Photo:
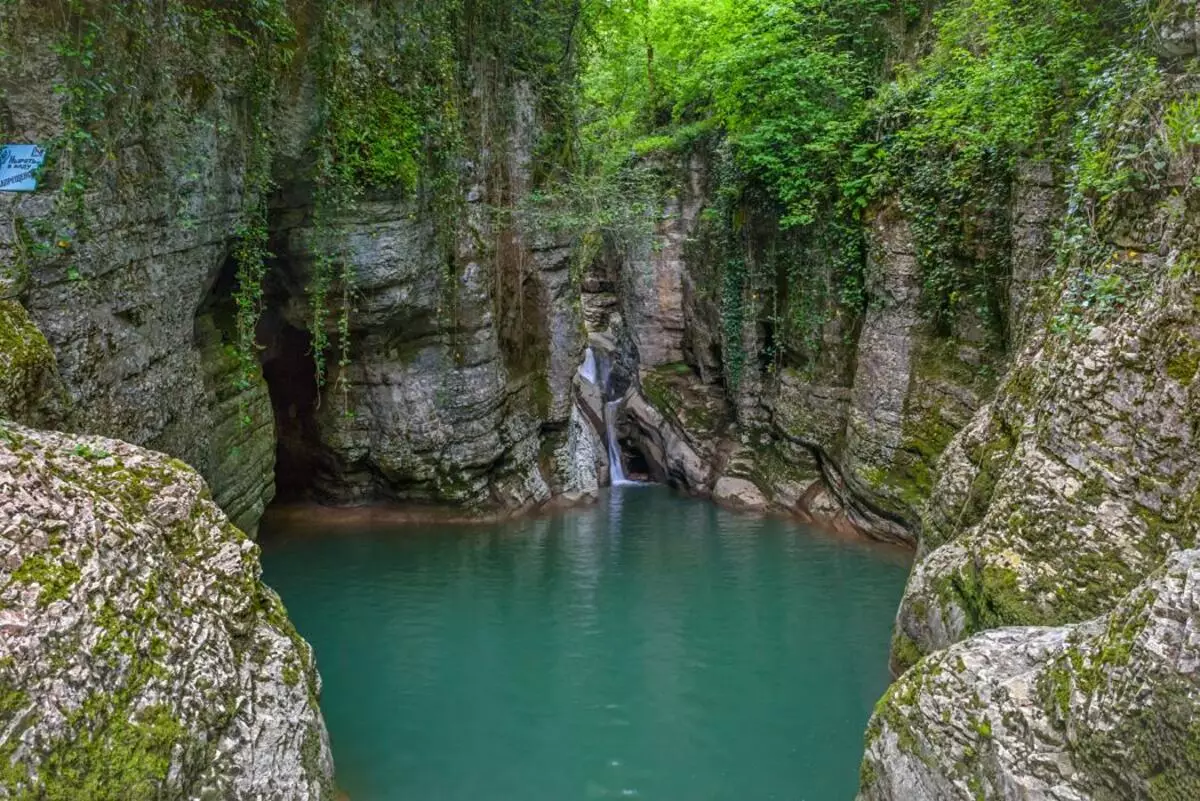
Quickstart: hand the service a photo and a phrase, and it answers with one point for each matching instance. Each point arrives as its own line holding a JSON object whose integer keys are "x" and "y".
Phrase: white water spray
{"x": 588, "y": 369}
{"x": 616, "y": 469}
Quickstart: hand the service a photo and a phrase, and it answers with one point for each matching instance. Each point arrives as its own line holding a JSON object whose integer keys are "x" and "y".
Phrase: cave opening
{"x": 637, "y": 466}
{"x": 289, "y": 371}
{"x": 282, "y": 406}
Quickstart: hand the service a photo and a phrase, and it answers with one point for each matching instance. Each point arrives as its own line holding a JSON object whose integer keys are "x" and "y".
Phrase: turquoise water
{"x": 650, "y": 647}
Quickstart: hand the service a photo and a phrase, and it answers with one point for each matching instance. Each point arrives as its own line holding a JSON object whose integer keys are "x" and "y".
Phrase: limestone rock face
{"x": 141, "y": 654}
{"x": 652, "y": 288}
{"x": 1099, "y": 710}
{"x": 852, "y": 437}
{"x": 465, "y": 332}
{"x": 1083, "y": 474}
{"x": 429, "y": 409}
{"x": 886, "y": 344}
{"x": 118, "y": 288}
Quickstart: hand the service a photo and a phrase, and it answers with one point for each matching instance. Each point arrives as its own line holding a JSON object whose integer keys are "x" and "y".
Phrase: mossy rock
{"x": 31, "y": 391}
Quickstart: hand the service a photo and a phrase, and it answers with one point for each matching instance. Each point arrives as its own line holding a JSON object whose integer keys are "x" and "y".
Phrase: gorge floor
{"x": 650, "y": 646}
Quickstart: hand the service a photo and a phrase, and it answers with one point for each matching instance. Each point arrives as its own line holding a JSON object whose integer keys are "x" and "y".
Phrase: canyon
{"x": 452, "y": 341}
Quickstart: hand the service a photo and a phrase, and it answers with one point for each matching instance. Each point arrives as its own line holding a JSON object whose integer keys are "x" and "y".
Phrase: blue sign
{"x": 18, "y": 167}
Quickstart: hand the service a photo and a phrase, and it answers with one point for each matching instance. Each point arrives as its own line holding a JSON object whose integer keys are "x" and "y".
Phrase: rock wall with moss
{"x": 989, "y": 352}
{"x": 291, "y": 229}
{"x": 1080, "y": 478}
{"x": 1065, "y": 492}
{"x": 844, "y": 425}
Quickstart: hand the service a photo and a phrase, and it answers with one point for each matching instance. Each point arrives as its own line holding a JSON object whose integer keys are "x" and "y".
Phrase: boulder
{"x": 141, "y": 655}
{"x": 1105, "y": 709}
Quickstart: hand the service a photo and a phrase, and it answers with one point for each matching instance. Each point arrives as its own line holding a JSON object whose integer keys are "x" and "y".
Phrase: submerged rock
{"x": 142, "y": 656}
{"x": 1100, "y": 710}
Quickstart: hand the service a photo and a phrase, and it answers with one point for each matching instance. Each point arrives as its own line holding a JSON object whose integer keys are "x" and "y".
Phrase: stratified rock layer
{"x": 141, "y": 656}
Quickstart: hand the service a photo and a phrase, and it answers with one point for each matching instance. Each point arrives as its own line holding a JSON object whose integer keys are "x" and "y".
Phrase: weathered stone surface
{"x": 876, "y": 409}
{"x": 427, "y": 410}
{"x": 579, "y": 460}
{"x": 879, "y": 400}
{"x": 652, "y": 274}
{"x": 1034, "y": 210}
{"x": 669, "y": 448}
{"x": 739, "y": 494}
{"x": 1101, "y": 710}
{"x": 1079, "y": 478}
{"x": 464, "y": 341}
{"x": 31, "y": 391}
{"x": 195, "y": 685}
{"x": 116, "y": 287}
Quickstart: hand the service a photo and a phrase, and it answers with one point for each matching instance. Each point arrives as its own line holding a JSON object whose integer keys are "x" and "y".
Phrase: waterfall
{"x": 588, "y": 369}
{"x": 615, "y": 468}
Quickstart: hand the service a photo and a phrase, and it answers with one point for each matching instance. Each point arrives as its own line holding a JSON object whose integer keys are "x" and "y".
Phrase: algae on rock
{"x": 30, "y": 388}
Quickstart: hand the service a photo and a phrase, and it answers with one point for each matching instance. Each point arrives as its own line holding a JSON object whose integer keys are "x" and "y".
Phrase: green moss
{"x": 669, "y": 390}
{"x": 867, "y": 776}
{"x": 1152, "y": 728}
{"x": 87, "y": 451}
{"x": 989, "y": 594}
{"x": 118, "y": 753}
{"x": 1183, "y": 365}
{"x": 56, "y": 578}
{"x": 310, "y": 759}
{"x": 27, "y": 365}
{"x": 905, "y": 651}
{"x": 1093, "y": 491}
{"x": 378, "y": 136}
{"x": 662, "y": 396}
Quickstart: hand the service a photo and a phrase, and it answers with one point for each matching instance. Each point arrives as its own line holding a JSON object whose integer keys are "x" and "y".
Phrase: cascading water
{"x": 587, "y": 371}
{"x": 616, "y": 469}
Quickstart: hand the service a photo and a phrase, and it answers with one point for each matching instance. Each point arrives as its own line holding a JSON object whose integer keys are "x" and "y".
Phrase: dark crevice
{"x": 637, "y": 466}
{"x": 290, "y": 371}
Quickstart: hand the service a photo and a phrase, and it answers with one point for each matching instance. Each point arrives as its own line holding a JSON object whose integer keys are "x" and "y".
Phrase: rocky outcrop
{"x": 652, "y": 274}
{"x": 195, "y": 684}
{"x": 428, "y": 409}
{"x": 851, "y": 435}
{"x": 1035, "y": 209}
{"x": 1083, "y": 474}
{"x": 116, "y": 268}
{"x": 885, "y": 365}
{"x": 1076, "y": 482}
{"x": 678, "y": 424}
{"x": 1102, "y": 709}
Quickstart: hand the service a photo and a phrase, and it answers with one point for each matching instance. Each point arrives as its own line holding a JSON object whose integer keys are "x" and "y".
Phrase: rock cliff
{"x": 1068, "y": 501}
{"x": 464, "y": 338}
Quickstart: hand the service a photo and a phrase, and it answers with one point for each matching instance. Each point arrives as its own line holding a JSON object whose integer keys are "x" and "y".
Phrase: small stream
{"x": 650, "y": 647}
